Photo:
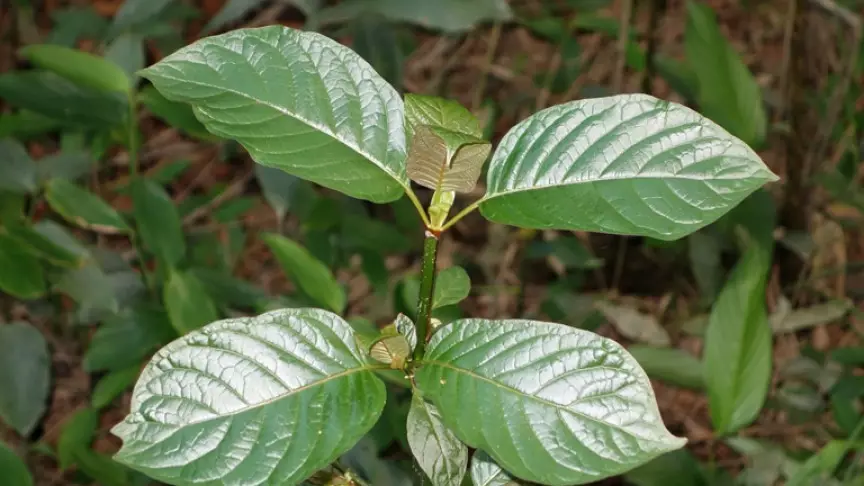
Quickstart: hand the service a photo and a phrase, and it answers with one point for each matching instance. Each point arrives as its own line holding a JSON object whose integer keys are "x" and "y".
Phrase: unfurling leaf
{"x": 434, "y": 111}
{"x": 391, "y": 350}
{"x": 438, "y": 451}
{"x": 405, "y": 327}
{"x": 444, "y": 160}
{"x": 262, "y": 400}
{"x": 550, "y": 403}
{"x": 335, "y": 121}
{"x": 657, "y": 169}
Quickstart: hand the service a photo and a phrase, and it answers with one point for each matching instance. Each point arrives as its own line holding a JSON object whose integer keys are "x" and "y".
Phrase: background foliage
{"x": 124, "y": 223}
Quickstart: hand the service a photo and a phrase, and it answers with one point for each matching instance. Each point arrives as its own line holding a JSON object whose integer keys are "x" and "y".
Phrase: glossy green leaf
{"x": 309, "y": 273}
{"x": 452, "y": 285}
{"x": 447, "y": 15}
{"x": 126, "y": 338}
{"x": 42, "y": 247}
{"x": 486, "y": 472}
{"x": 655, "y": 168}
{"x": 13, "y": 470}
{"x": 188, "y": 304}
{"x": 25, "y": 375}
{"x": 176, "y": 114}
{"x": 346, "y": 131}
{"x": 737, "y": 352}
{"x": 405, "y": 326}
{"x": 18, "y": 171}
{"x": 83, "y": 208}
{"x": 728, "y": 92}
{"x": 78, "y": 66}
{"x": 551, "y": 404}
{"x": 262, "y": 400}
{"x": 437, "y": 450}
{"x": 671, "y": 365}
{"x": 77, "y": 434}
{"x": 112, "y": 385}
{"x": 157, "y": 221}
{"x": 445, "y": 160}
{"x": 58, "y": 98}
{"x": 21, "y": 273}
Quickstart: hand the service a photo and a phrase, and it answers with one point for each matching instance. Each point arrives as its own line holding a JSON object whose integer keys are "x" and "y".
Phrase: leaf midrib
{"x": 378, "y": 163}
{"x": 341, "y": 374}
{"x": 528, "y": 396}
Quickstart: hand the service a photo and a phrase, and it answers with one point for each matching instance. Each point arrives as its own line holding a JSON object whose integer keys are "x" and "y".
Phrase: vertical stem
{"x": 427, "y": 291}
{"x": 133, "y": 135}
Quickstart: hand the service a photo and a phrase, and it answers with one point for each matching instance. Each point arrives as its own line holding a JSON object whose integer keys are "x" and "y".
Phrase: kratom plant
{"x": 274, "y": 398}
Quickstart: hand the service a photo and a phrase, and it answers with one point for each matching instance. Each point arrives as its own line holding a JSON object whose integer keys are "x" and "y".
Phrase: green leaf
{"x": 83, "y": 208}
{"x": 25, "y": 375}
{"x": 125, "y": 339}
{"x": 439, "y": 112}
{"x": 13, "y": 469}
{"x": 112, "y": 385}
{"x": 25, "y": 125}
{"x": 268, "y": 399}
{"x": 135, "y": 13}
{"x": 188, "y": 304}
{"x": 452, "y": 285}
{"x": 737, "y": 352}
{"x": 405, "y": 327}
{"x": 21, "y": 273}
{"x": 376, "y": 41}
{"x": 104, "y": 470}
{"x": 18, "y": 171}
{"x": 633, "y": 324}
{"x": 819, "y": 468}
{"x": 676, "y": 468}
{"x": 345, "y": 133}
{"x": 704, "y": 251}
{"x": 175, "y": 114}
{"x": 451, "y": 16}
{"x": 309, "y": 273}
{"x": 551, "y": 404}
{"x": 77, "y": 66}
{"x": 228, "y": 291}
{"x": 69, "y": 165}
{"x": 280, "y": 189}
{"x": 77, "y": 434}
{"x": 728, "y": 93}
{"x": 671, "y": 365}
{"x": 486, "y": 472}
{"x": 127, "y": 53}
{"x": 157, "y": 221}
{"x": 439, "y": 453}
{"x": 55, "y": 97}
{"x": 627, "y": 164}
{"x": 40, "y": 246}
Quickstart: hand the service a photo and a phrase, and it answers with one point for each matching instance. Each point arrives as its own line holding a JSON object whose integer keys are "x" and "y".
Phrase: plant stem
{"x": 417, "y": 205}
{"x": 427, "y": 291}
{"x": 132, "y": 127}
{"x": 460, "y": 215}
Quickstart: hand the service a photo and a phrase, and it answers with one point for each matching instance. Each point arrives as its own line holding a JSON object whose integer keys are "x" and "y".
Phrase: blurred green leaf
{"x": 78, "y": 66}
{"x": 134, "y": 13}
{"x": 175, "y": 114}
{"x": 704, "y": 252}
{"x": 231, "y": 11}
{"x": 42, "y": 247}
{"x": 21, "y": 273}
{"x": 851, "y": 356}
{"x": 25, "y": 124}
{"x": 375, "y": 268}
{"x": 188, "y": 304}
{"x": 820, "y": 467}
{"x": 83, "y": 208}
{"x": 127, "y": 53}
{"x": 728, "y": 92}
{"x": 157, "y": 221}
{"x": 633, "y": 324}
{"x": 112, "y": 385}
{"x": 102, "y": 468}
{"x": 229, "y": 291}
{"x": 366, "y": 234}
{"x": 571, "y": 252}
{"x": 450, "y": 16}
{"x": 18, "y": 171}
{"x": 309, "y": 273}
{"x": 13, "y": 469}
{"x": 77, "y": 433}
{"x": 452, "y": 285}
{"x": 809, "y": 317}
{"x": 25, "y": 376}
{"x": 738, "y": 345}
{"x": 58, "y": 98}
{"x": 125, "y": 339}
{"x": 676, "y": 468}
{"x": 376, "y": 41}
{"x": 76, "y": 22}
{"x": 280, "y": 189}
{"x": 671, "y": 365}
{"x": 69, "y": 165}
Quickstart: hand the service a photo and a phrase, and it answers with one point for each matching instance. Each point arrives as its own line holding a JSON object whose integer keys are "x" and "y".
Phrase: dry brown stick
{"x": 235, "y": 189}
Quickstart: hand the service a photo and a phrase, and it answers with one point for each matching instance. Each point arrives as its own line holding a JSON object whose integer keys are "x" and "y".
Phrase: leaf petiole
{"x": 460, "y": 215}
{"x": 418, "y": 206}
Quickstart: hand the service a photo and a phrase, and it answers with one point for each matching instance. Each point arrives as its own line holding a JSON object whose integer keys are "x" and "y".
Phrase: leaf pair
{"x": 279, "y": 396}
{"x": 628, "y": 164}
